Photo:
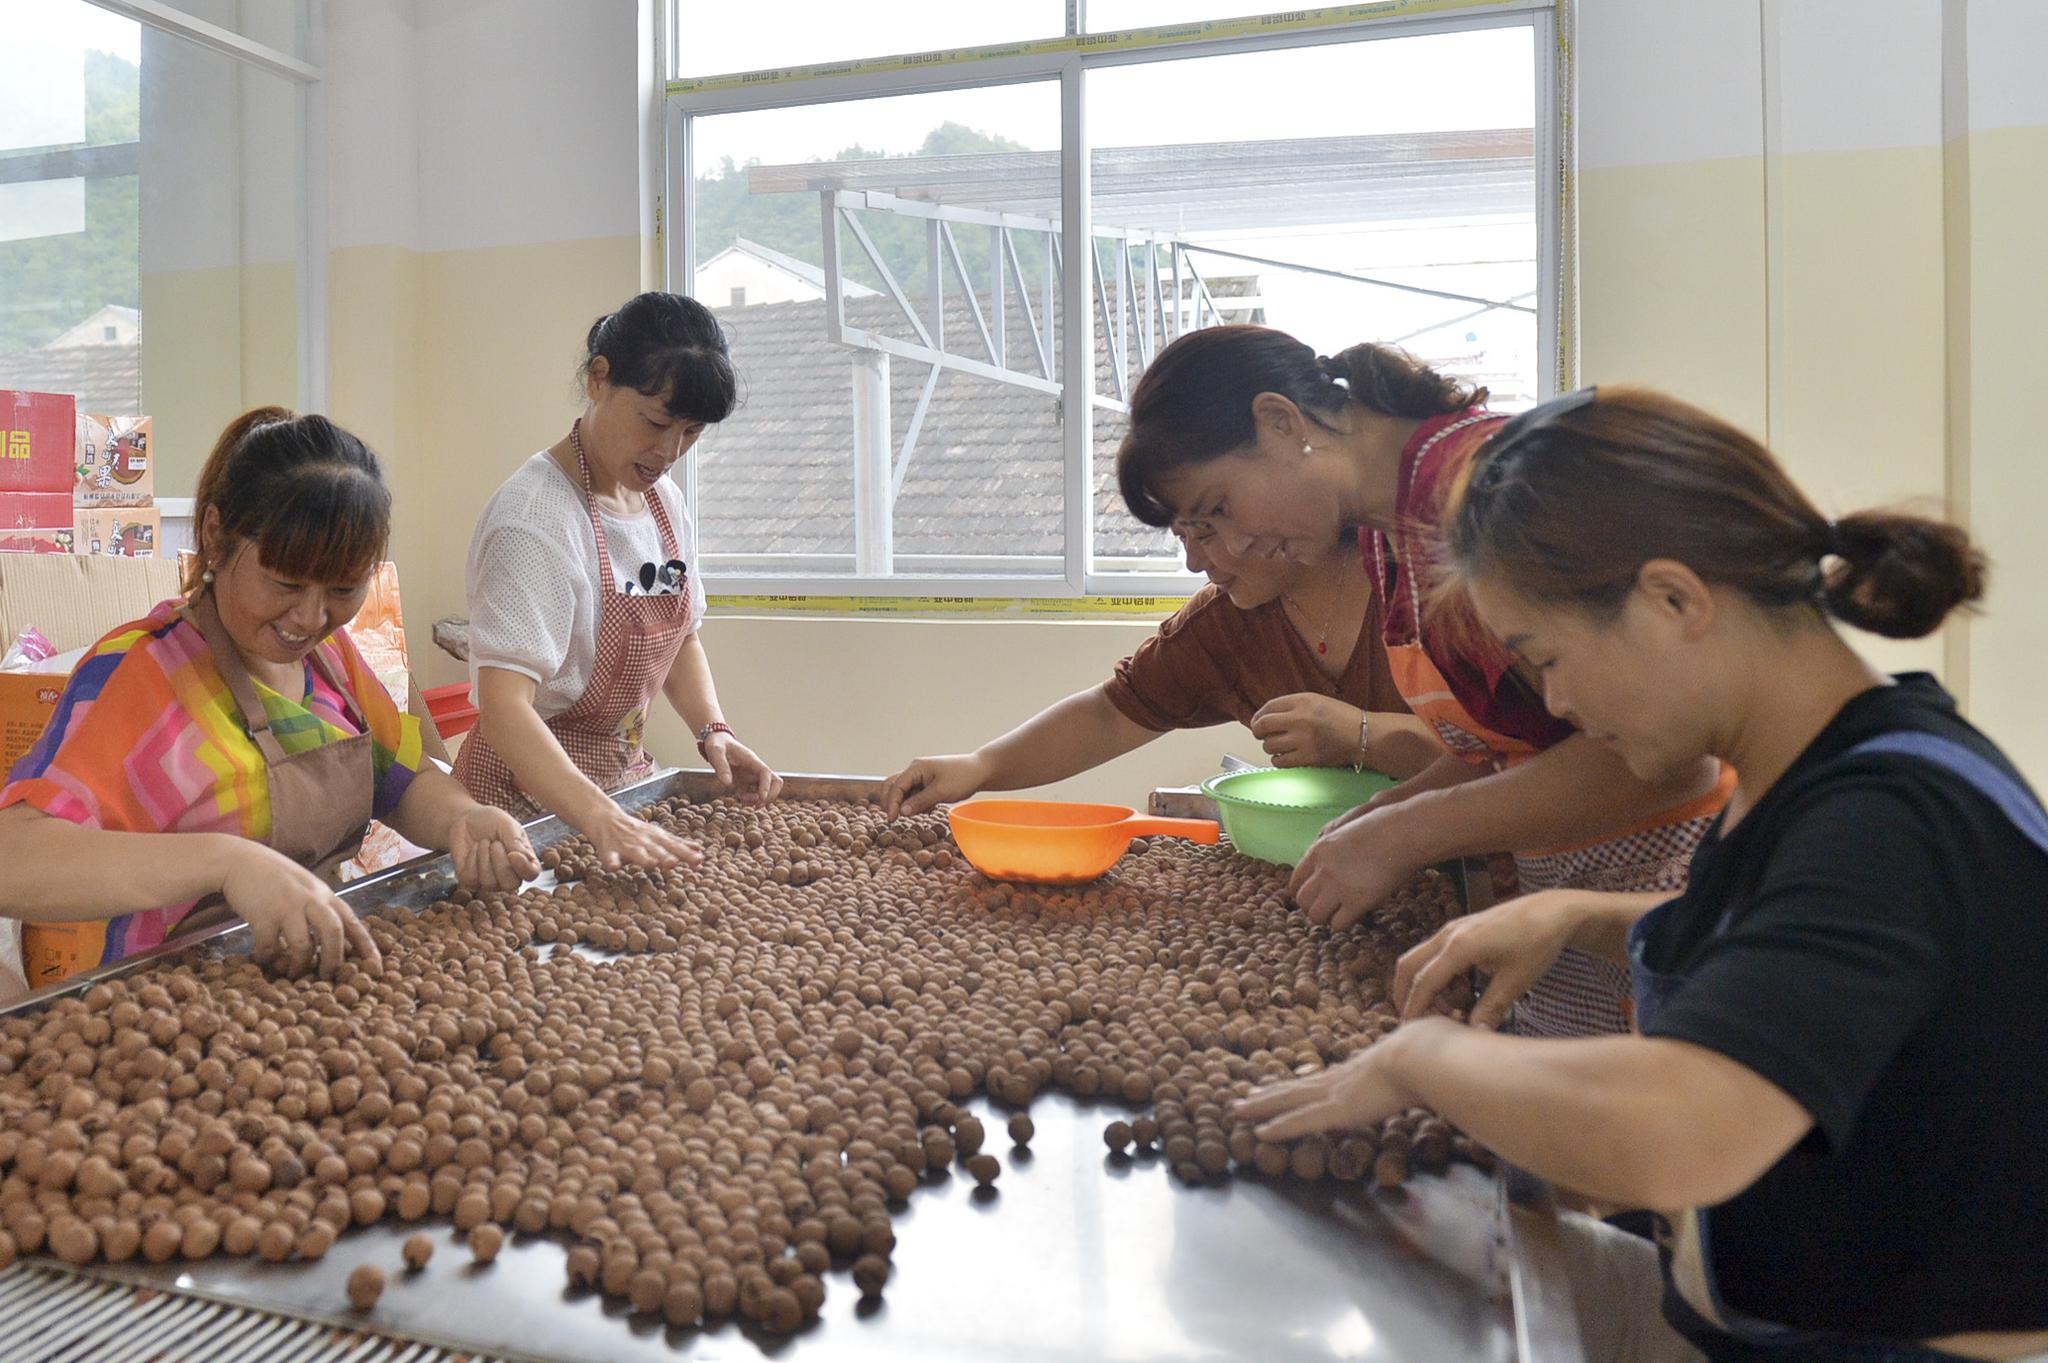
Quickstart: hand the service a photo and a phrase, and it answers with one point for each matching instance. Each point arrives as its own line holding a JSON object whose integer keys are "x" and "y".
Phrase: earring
{"x": 1306, "y": 448}
{"x": 206, "y": 576}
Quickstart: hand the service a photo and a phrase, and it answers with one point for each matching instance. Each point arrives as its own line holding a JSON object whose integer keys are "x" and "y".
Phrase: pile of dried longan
{"x": 728, "y": 1106}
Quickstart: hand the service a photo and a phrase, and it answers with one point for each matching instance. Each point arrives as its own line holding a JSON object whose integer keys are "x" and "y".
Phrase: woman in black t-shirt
{"x": 1839, "y": 1081}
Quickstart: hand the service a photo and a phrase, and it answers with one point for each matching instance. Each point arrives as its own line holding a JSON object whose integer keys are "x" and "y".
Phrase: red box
{"x": 38, "y": 442}
{"x": 36, "y": 523}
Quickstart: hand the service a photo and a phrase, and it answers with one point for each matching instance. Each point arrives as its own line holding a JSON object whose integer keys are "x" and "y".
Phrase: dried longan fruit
{"x": 985, "y": 1168}
{"x": 365, "y": 1285}
{"x": 162, "y": 1241}
{"x": 967, "y": 1135}
{"x": 485, "y": 1242}
{"x": 1021, "y": 1129}
{"x": 418, "y": 1249}
{"x": 1117, "y": 1135}
{"x": 870, "y": 1274}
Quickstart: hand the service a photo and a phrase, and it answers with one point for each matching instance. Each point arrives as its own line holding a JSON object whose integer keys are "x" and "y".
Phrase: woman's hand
{"x": 296, "y": 916}
{"x": 1356, "y": 865}
{"x": 1514, "y": 943}
{"x": 1352, "y": 1096}
{"x": 490, "y": 850}
{"x": 1308, "y": 730}
{"x": 735, "y": 764}
{"x": 622, "y": 839}
{"x": 929, "y": 782}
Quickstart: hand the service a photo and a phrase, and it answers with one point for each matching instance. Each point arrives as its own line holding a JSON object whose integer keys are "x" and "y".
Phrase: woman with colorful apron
{"x": 225, "y": 754}
{"x": 1244, "y": 431}
{"x": 583, "y": 605}
{"x": 1837, "y": 1090}
{"x": 1292, "y": 652}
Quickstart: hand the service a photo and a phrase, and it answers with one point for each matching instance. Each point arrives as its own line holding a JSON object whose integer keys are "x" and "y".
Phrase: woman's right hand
{"x": 932, "y": 781}
{"x": 1512, "y": 943}
{"x": 622, "y": 839}
{"x": 295, "y": 915}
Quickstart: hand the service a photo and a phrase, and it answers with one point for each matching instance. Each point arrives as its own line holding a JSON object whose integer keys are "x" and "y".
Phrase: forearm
{"x": 1604, "y": 920}
{"x": 516, "y": 731}
{"x": 689, "y": 687}
{"x": 427, "y": 812}
{"x": 1576, "y": 792}
{"x": 1635, "y": 1121}
{"x": 1078, "y": 733}
{"x": 1402, "y": 746}
{"x": 58, "y": 872}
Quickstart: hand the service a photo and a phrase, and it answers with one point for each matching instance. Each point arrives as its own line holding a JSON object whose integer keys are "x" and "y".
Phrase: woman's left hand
{"x": 1308, "y": 730}
{"x": 1351, "y": 1096}
{"x": 734, "y": 763}
{"x": 490, "y": 850}
{"x": 1353, "y": 867}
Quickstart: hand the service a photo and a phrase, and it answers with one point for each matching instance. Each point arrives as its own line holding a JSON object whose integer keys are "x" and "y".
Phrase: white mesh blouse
{"x": 532, "y": 577}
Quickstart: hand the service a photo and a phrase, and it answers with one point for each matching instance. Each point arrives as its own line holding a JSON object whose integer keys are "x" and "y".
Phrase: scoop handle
{"x": 1194, "y": 830}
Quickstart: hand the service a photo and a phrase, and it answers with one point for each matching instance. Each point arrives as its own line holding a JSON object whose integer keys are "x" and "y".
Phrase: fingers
{"x": 1327, "y": 1115}
{"x": 771, "y": 784}
{"x": 1346, "y": 915}
{"x": 1264, "y": 724}
{"x": 525, "y": 861}
{"x": 1429, "y": 978}
{"x": 1274, "y": 1099}
{"x": 900, "y": 786}
{"x": 721, "y": 765}
{"x": 324, "y": 920}
{"x": 298, "y": 942}
{"x": 265, "y": 933}
{"x": 358, "y": 934}
{"x": 1411, "y": 964}
{"x": 1498, "y": 1001}
{"x": 498, "y": 873}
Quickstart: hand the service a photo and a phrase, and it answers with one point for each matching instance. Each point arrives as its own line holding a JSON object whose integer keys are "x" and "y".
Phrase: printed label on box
{"x": 38, "y": 441}
{"x": 120, "y": 531}
{"x": 113, "y": 461}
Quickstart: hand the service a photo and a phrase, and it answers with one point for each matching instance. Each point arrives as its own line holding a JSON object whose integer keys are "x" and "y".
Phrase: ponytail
{"x": 1569, "y": 502}
{"x": 1900, "y": 575}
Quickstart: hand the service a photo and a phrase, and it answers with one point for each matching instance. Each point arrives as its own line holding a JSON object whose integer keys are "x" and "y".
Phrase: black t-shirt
{"x": 1885, "y": 964}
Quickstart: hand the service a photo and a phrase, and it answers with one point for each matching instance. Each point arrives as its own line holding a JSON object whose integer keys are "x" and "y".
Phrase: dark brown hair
{"x": 667, "y": 343}
{"x": 308, "y": 495}
{"x": 1194, "y": 403}
{"x": 1572, "y": 508}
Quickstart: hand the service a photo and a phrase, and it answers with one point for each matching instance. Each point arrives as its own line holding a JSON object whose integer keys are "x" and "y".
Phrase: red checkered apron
{"x": 638, "y": 638}
{"x": 1581, "y": 995}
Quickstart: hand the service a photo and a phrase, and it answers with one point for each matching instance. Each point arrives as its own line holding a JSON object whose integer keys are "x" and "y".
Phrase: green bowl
{"x": 1274, "y": 813}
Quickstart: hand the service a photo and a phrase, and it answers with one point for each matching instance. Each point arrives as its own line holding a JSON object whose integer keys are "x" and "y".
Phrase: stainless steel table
{"x": 1075, "y": 1254}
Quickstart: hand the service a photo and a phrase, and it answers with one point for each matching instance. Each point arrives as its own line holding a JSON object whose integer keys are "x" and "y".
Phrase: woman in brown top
{"x": 1293, "y": 652}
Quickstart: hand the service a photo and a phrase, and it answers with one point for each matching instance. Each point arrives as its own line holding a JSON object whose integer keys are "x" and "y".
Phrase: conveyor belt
{"x": 54, "y": 1316}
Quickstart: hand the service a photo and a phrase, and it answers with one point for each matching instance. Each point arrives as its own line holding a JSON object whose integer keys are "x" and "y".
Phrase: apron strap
{"x": 2014, "y": 800}
{"x": 604, "y": 560}
{"x": 227, "y": 660}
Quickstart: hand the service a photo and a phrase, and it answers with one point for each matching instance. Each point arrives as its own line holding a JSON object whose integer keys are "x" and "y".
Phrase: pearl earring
{"x": 1306, "y": 448}
{"x": 206, "y": 576}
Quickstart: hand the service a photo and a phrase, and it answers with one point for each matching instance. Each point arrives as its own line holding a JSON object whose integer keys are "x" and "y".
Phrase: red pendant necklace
{"x": 1322, "y": 634}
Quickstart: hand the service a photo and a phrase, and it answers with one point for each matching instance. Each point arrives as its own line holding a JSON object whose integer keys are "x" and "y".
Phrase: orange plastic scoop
{"x": 1053, "y": 843}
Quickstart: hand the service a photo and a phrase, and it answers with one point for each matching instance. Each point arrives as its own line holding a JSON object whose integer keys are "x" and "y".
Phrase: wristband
{"x": 716, "y": 726}
{"x": 1364, "y": 737}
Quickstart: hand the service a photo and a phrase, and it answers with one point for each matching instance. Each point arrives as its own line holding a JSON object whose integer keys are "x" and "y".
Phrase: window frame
{"x": 1067, "y": 60}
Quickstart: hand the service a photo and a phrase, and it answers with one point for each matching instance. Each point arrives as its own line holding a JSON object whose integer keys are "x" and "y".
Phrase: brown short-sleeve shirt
{"x": 1211, "y": 663}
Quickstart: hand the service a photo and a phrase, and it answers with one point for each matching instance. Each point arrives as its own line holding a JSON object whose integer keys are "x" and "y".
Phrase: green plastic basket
{"x": 1274, "y": 813}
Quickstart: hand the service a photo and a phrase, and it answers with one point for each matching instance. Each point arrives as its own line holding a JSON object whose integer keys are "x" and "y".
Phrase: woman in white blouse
{"x": 583, "y": 600}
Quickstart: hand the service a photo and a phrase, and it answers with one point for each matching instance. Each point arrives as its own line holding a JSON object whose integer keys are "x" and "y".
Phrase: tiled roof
{"x": 104, "y": 378}
{"x": 986, "y": 476}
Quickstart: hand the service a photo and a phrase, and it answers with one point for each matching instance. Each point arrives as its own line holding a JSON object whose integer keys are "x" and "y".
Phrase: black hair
{"x": 667, "y": 344}
{"x": 307, "y": 494}
{"x": 1194, "y": 403}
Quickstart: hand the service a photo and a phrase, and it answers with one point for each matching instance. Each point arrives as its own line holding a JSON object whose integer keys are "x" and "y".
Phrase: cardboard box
{"x": 112, "y": 465}
{"x": 35, "y": 523}
{"x": 116, "y": 531}
{"x": 73, "y": 600}
{"x": 38, "y": 442}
